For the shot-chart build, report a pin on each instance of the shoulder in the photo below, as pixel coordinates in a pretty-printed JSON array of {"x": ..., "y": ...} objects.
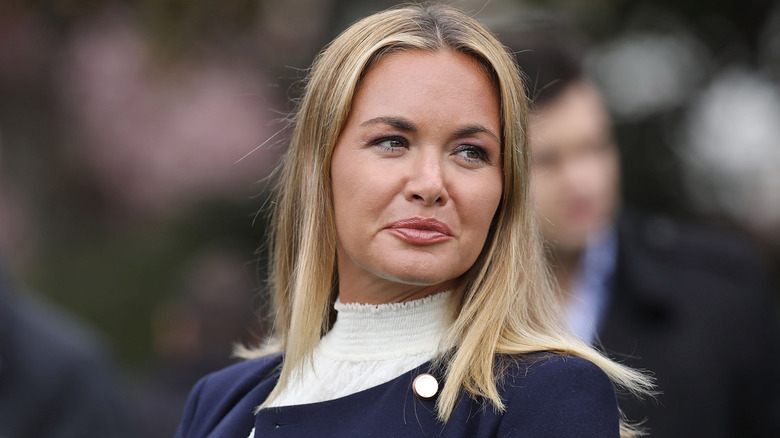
[
  {"x": 688, "y": 266},
  {"x": 669, "y": 263},
  {"x": 238, "y": 377},
  {"x": 50, "y": 346},
  {"x": 688, "y": 246},
  {"x": 53, "y": 329},
  {"x": 49, "y": 356},
  {"x": 551, "y": 394},
  {"x": 545, "y": 372},
  {"x": 227, "y": 396}
]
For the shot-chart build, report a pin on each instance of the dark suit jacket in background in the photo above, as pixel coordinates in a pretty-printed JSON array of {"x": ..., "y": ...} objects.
[
  {"x": 55, "y": 379},
  {"x": 694, "y": 307}
]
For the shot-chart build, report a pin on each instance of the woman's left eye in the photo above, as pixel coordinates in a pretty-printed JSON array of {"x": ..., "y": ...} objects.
[
  {"x": 471, "y": 153},
  {"x": 391, "y": 143}
]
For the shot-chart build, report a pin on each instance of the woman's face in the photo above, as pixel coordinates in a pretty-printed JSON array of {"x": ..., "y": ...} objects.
[{"x": 416, "y": 176}]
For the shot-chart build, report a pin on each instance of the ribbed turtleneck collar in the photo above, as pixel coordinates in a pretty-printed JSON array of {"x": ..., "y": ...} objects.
[{"x": 387, "y": 331}]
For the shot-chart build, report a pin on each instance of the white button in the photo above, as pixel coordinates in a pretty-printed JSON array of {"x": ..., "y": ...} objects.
[{"x": 425, "y": 386}]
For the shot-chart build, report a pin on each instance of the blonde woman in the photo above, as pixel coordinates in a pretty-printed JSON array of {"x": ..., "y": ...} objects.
[{"x": 407, "y": 270}]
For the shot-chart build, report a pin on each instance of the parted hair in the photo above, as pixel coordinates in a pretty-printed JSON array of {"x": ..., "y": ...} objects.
[{"x": 504, "y": 304}]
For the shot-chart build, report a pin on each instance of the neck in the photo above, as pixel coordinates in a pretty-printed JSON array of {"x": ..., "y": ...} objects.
[
  {"x": 378, "y": 290},
  {"x": 384, "y": 292}
]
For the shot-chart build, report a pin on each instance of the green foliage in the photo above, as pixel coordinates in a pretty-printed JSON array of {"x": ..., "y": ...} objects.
[{"x": 115, "y": 282}]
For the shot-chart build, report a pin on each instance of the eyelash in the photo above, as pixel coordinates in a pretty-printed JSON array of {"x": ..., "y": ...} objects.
[
  {"x": 482, "y": 154},
  {"x": 401, "y": 140}
]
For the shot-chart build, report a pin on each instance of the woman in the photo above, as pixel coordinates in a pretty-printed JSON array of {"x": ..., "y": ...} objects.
[{"x": 407, "y": 271}]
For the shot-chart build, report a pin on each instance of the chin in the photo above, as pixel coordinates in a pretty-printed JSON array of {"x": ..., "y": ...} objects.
[
  {"x": 569, "y": 242},
  {"x": 569, "y": 246},
  {"x": 417, "y": 279},
  {"x": 418, "y": 274}
]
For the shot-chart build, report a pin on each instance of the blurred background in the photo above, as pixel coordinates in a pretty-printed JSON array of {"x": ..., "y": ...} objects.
[{"x": 137, "y": 139}]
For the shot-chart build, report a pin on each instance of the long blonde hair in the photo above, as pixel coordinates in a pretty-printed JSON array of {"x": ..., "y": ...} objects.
[{"x": 520, "y": 314}]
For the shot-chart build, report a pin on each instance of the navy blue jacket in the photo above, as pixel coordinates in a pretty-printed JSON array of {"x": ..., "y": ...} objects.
[{"x": 546, "y": 395}]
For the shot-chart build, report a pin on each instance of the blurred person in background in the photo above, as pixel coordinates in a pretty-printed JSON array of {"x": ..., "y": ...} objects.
[
  {"x": 689, "y": 304},
  {"x": 56, "y": 380}
]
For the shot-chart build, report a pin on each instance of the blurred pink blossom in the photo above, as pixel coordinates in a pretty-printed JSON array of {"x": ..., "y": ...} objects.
[{"x": 160, "y": 135}]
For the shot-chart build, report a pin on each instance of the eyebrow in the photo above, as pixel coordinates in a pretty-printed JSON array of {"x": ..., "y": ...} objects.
[
  {"x": 406, "y": 125},
  {"x": 395, "y": 122},
  {"x": 476, "y": 129}
]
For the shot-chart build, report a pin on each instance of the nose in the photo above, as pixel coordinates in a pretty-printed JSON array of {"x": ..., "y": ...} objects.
[
  {"x": 425, "y": 183},
  {"x": 574, "y": 172},
  {"x": 578, "y": 168}
]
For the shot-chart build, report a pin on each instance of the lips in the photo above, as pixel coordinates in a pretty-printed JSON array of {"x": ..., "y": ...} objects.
[
  {"x": 421, "y": 230},
  {"x": 581, "y": 210}
]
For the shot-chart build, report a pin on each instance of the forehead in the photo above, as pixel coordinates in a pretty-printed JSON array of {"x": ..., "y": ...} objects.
[
  {"x": 418, "y": 81},
  {"x": 577, "y": 114}
]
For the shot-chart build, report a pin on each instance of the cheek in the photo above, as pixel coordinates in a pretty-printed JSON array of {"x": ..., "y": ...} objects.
[
  {"x": 543, "y": 190},
  {"x": 483, "y": 205},
  {"x": 359, "y": 199},
  {"x": 608, "y": 176},
  {"x": 344, "y": 184}
]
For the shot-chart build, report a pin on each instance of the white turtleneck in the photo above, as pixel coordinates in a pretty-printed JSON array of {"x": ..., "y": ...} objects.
[{"x": 369, "y": 345}]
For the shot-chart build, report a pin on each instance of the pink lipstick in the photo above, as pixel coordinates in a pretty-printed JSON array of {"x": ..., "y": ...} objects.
[{"x": 421, "y": 230}]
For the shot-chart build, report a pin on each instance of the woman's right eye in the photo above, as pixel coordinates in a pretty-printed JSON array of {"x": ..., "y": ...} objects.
[{"x": 391, "y": 143}]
